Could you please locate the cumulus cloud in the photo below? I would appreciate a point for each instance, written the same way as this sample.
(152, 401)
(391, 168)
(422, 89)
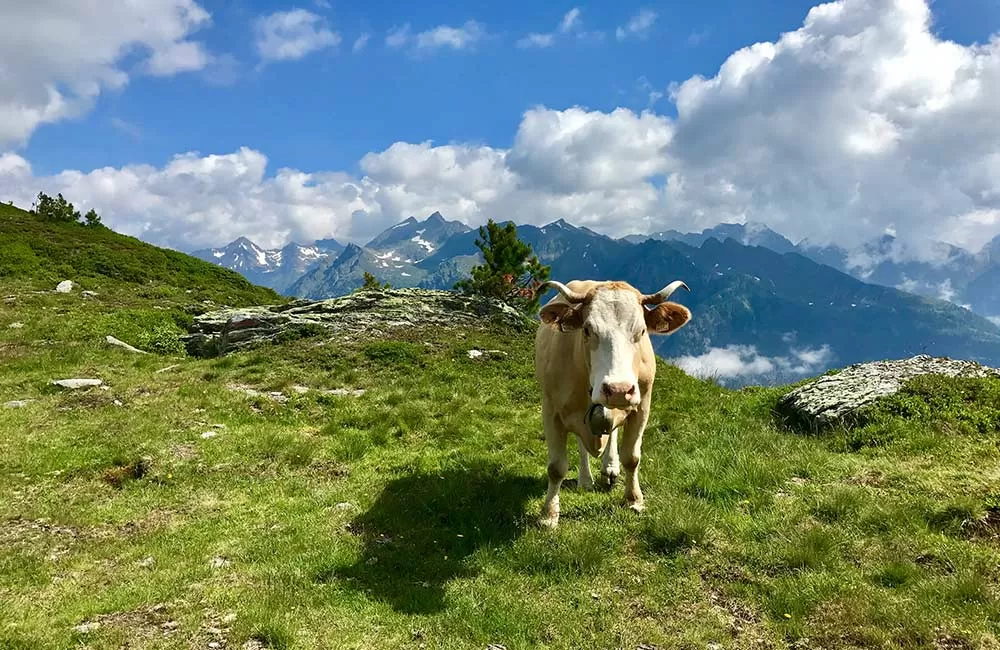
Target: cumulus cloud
(639, 25)
(463, 37)
(58, 56)
(292, 35)
(862, 116)
(744, 362)
(570, 24)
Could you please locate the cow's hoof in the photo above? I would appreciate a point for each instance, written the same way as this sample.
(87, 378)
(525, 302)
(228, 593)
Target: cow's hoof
(636, 506)
(549, 521)
(608, 481)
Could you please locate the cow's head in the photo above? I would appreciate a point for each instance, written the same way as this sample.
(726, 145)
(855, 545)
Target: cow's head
(613, 321)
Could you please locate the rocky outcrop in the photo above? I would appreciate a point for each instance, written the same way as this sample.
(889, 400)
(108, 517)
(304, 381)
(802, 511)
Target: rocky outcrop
(833, 399)
(365, 312)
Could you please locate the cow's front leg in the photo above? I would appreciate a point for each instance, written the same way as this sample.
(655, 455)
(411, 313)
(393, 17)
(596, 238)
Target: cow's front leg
(586, 480)
(610, 465)
(632, 454)
(555, 440)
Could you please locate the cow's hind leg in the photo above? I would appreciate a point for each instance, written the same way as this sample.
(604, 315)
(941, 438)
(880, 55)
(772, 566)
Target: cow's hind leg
(555, 439)
(586, 480)
(631, 455)
(610, 466)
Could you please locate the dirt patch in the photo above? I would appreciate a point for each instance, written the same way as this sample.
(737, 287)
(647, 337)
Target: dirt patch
(122, 473)
(142, 623)
(184, 451)
(987, 527)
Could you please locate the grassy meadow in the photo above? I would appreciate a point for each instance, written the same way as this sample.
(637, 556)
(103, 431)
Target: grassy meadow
(174, 510)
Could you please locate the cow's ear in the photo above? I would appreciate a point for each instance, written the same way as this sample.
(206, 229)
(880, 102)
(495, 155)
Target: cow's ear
(563, 316)
(667, 318)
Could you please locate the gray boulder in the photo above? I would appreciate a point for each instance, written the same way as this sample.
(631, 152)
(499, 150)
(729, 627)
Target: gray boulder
(831, 400)
(66, 286)
(361, 313)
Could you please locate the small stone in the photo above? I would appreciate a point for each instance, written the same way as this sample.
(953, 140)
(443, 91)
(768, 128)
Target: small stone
(301, 390)
(218, 562)
(118, 402)
(345, 391)
(214, 644)
(218, 426)
(122, 344)
(88, 294)
(15, 326)
(475, 354)
(87, 628)
(64, 287)
(74, 384)
(209, 434)
(345, 506)
(595, 595)
(16, 404)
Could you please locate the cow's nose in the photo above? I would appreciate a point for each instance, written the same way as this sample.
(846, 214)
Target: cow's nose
(619, 389)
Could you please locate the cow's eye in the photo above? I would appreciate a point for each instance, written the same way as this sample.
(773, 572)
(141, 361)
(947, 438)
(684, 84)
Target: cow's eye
(638, 335)
(586, 331)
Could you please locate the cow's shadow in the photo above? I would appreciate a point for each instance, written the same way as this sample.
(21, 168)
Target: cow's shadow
(421, 531)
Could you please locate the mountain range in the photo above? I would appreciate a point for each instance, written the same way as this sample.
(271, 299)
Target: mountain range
(767, 309)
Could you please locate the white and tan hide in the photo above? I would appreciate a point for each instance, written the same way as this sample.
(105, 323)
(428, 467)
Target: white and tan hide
(594, 348)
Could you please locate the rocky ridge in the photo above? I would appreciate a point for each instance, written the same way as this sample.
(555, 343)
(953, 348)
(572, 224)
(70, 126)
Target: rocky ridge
(364, 312)
(832, 399)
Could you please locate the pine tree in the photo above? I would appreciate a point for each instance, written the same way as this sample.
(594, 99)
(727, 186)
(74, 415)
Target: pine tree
(372, 283)
(92, 219)
(510, 271)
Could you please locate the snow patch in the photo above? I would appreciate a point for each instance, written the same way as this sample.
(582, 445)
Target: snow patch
(423, 242)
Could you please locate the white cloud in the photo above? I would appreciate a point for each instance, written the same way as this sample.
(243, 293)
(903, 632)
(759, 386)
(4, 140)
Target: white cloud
(463, 37)
(178, 57)
(863, 116)
(745, 362)
(639, 25)
(292, 35)
(571, 23)
(58, 56)
(398, 36)
(537, 40)
(360, 42)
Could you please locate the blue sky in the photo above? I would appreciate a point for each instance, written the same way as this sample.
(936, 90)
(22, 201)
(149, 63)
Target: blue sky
(192, 122)
(329, 108)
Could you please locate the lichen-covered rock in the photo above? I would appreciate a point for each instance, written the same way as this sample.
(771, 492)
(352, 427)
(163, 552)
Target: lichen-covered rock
(364, 312)
(831, 400)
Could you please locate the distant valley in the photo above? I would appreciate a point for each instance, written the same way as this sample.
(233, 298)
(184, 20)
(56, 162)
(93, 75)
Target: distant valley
(767, 310)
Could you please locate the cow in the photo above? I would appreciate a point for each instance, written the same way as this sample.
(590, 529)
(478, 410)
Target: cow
(595, 364)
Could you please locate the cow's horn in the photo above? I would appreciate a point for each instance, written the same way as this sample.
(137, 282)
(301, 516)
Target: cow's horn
(664, 293)
(568, 294)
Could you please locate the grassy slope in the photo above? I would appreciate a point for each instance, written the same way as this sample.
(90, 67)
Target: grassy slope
(404, 518)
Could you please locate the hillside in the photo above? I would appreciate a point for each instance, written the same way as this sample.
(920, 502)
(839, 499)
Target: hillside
(40, 254)
(377, 487)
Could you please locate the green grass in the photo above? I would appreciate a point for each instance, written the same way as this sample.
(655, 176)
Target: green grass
(405, 518)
